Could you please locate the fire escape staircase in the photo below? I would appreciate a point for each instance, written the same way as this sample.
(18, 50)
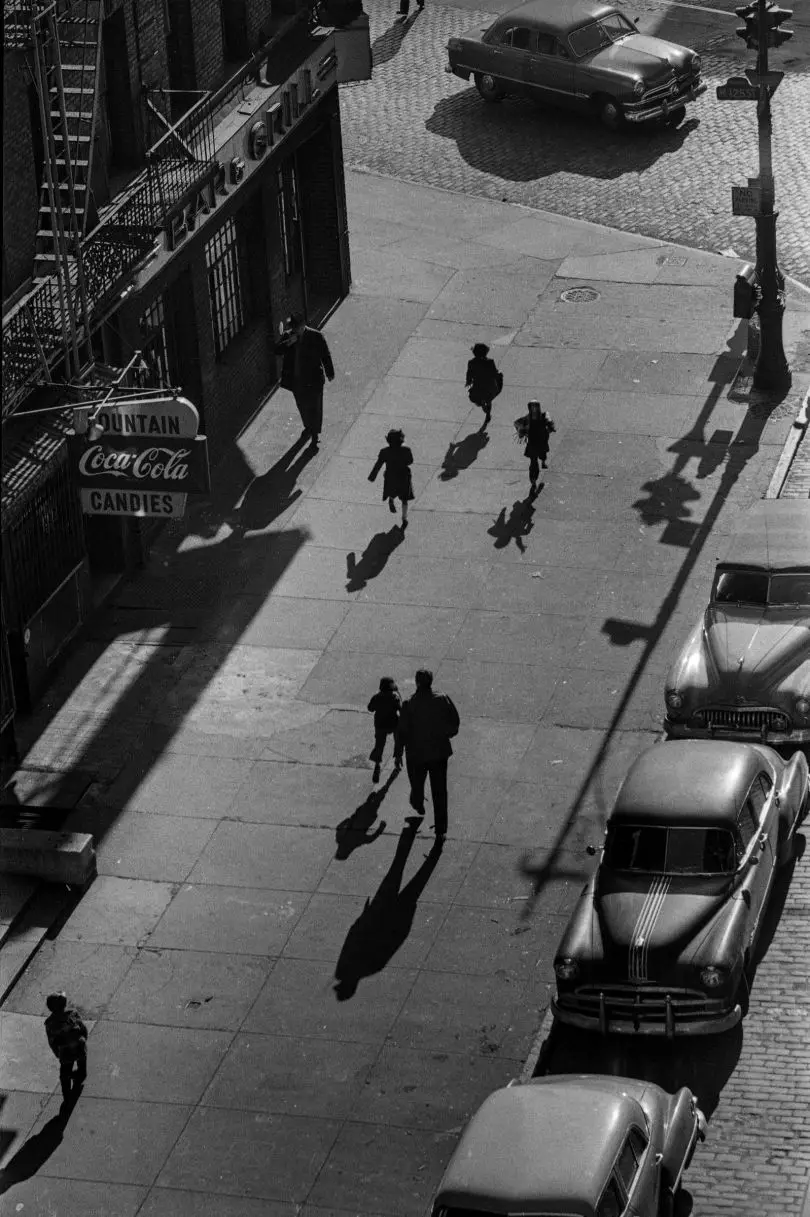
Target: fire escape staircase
(70, 66)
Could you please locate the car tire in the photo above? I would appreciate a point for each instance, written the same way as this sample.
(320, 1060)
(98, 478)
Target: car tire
(488, 87)
(611, 114)
(675, 117)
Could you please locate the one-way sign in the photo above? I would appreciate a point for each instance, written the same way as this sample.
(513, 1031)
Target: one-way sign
(737, 88)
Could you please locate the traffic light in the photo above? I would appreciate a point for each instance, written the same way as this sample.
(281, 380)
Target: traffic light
(773, 19)
(750, 31)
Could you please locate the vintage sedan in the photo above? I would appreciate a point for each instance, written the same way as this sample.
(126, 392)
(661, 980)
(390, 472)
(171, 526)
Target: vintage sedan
(586, 1145)
(744, 671)
(663, 936)
(582, 55)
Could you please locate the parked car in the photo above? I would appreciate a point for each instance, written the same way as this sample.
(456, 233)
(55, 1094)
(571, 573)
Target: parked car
(585, 1145)
(582, 55)
(744, 671)
(663, 936)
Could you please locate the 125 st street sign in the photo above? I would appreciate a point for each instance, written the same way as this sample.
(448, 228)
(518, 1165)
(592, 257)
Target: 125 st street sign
(737, 88)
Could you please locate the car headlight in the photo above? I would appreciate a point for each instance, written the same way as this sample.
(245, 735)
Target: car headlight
(566, 967)
(638, 88)
(713, 977)
(673, 699)
(696, 65)
(802, 706)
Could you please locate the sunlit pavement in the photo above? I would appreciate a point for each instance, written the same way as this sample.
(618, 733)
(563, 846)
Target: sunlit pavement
(278, 1019)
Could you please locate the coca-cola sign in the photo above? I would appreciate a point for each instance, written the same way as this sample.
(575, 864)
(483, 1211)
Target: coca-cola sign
(139, 463)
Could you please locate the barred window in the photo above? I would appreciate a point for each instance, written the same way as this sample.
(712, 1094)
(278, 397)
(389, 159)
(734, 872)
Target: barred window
(224, 288)
(155, 343)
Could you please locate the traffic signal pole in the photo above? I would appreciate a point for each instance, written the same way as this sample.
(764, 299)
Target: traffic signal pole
(771, 370)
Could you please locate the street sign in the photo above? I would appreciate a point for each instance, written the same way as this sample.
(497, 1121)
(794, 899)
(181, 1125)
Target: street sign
(132, 503)
(746, 201)
(737, 88)
(771, 80)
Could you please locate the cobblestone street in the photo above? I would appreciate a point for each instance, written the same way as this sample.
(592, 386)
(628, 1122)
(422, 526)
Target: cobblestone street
(419, 123)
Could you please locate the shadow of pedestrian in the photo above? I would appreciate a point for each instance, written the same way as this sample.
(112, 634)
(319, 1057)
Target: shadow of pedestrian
(273, 492)
(386, 921)
(353, 832)
(36, 1151)
(461, 455)
(373, 559)
(387, 45)
(517, 525)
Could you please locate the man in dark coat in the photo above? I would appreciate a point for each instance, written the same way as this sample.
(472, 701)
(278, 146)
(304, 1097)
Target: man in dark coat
(67, 1037)
(426, 725)
(307, 362)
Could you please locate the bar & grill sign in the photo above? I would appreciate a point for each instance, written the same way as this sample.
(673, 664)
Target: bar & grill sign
(145, 461)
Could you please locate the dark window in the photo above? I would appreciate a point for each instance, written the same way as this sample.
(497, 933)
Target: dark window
(224, 288)
(680, 851)
(612, 1202)
(759, 794)
(522, 39)
(155, 348)
(234, 29)
(790, 590)
(638, 1142)
(617, 26)
(747, 824)
(545, 44)
(588, 39)
(627, 1166)
(561, 50)
(740, 587)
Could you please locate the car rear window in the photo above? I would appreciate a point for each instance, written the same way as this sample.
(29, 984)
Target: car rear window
(675, 851)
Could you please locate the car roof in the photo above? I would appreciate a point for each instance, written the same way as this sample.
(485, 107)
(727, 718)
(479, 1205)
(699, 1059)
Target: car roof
(554, 16)
(551, 1143)
(773, 534)
(694, 782)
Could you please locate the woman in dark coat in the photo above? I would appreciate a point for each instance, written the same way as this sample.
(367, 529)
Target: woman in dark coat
(484, 381)
(534, 430)
(397, 483)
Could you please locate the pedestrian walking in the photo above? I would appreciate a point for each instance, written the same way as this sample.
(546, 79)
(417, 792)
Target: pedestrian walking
(306, 363)
(67, 1037)
(397, 482)
(533, 430)
(484, 381)
(385, 706)
(427, 723)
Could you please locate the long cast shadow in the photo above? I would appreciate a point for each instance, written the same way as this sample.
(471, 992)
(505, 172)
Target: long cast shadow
(386, 921)
(35, 1152)
(517, 525)
(373, 558)
(462, 454)
(353, 832)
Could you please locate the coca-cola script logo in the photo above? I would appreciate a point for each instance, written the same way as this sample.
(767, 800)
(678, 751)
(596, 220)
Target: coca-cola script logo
(144, 465)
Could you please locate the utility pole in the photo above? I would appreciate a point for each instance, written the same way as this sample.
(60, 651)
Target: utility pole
(762, 19)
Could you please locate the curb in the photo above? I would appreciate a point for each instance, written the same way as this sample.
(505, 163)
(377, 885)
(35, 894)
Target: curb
(539, 1048)
(797, 433)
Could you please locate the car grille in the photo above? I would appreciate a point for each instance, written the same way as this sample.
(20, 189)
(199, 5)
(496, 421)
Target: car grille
(755, 720)
(665, 92)
(640, 1004)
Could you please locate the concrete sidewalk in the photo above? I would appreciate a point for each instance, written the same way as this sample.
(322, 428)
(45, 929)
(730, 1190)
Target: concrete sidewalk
(216, 724)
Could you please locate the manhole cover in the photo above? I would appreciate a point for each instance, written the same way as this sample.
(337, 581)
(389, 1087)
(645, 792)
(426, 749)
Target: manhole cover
(579, 295)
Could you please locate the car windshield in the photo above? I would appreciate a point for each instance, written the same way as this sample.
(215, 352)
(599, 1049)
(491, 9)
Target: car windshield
(599, 34)
(790, 589)
(740, 587)
(678, 851)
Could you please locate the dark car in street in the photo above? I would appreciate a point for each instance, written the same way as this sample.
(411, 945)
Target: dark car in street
(744, 671)
(662, 940)
(582, 55)
(585, 1145)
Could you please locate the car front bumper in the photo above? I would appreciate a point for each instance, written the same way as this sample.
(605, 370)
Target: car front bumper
(638, 112)
(676, 729)
(609, 1023)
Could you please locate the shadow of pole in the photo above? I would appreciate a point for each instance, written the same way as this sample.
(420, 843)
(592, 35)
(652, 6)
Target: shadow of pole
(740, 452)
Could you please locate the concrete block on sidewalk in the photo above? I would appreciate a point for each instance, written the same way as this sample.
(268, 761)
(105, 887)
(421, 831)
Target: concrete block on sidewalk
(58, 857)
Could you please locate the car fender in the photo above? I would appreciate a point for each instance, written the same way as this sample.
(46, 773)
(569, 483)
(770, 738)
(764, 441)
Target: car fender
(683, 1127)
(691, 668)
(582, 938)
(792, 792)
(724, 940)
(595, 81)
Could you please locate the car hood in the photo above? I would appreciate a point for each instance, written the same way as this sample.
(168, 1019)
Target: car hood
(641, 917)
(653, 57)
(751, 651)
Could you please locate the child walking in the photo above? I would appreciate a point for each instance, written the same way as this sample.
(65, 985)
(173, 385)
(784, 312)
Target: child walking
(484, 381)
(385, 705)
(534, 429)
(397, 482)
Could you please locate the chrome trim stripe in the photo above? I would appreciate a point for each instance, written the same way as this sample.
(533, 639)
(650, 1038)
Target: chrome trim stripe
(644, 927)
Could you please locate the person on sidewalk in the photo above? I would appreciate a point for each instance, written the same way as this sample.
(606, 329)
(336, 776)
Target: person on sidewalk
(484, 381)
(307, 362)
(67, 1037)
(385, 706)
(427, 723)
(397, 482)
(533, 430)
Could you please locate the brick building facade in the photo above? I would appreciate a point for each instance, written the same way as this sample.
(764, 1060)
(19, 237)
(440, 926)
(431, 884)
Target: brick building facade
(239, 170)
